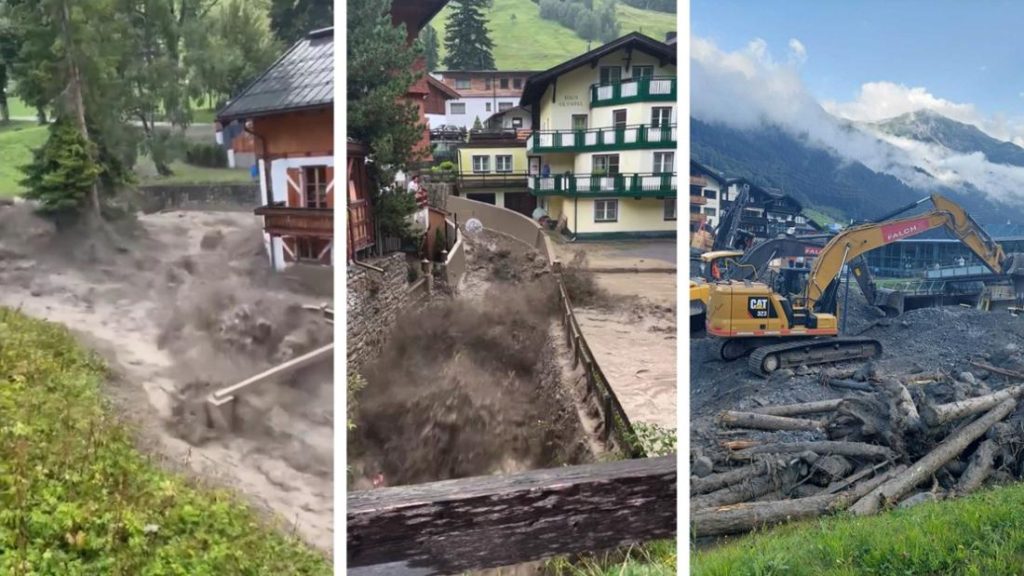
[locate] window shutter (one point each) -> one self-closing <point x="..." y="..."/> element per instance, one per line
<point x="294" y="187"/>
<point x="329" y="174"/>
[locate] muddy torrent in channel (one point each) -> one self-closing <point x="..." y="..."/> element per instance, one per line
<point x="470" y="385"/>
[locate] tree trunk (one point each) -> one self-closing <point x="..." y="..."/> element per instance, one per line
<point x="718" y="481"/>
<point x="74" y="95"/>
<point x="735" y="419"/>
<point x="821" y="447"/>
<point x="799" y="409"/>
<point x="979" y="469"/>
<point x="749" y="516"/>
<point x="893" y="490"/>
<point x="752" y="487"/>
<point x="943" y="413"/>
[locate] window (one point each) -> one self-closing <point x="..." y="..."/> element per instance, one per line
<point x="462" y="83"/>
<point x="504" y="83"/>
<point x="670" y="208"/>
<point x="619" y="119"/>
<point x="579" y="122"/>
<point x="481" y="164"/>
<point x="694" y="209"/>
<point x="517" y="123"/>
<point x="315" y="183"/>
<point x="661" y="116"/>
<point x="606" y="164"/>
<point x="503" y="163"/>
<point x="517" y="83"/>
<point x="643" y="72"/>
<point x="502" y="106"/>
<point x="610" y="75"/>
<point x="458" y="108"/>
<point x="309" y="248"/>
<point x="606" y="210"/>
<point x="488" y="82"/>
<point x="710" y="194"/>
<point x="663" y="162"/>
<point x="487" y="106"/>
<point x="709" y="211"/>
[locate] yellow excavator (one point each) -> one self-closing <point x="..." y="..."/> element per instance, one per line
<point x="751" y="318"/>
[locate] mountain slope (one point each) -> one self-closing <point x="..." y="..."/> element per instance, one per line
<point x="772" y="157"/>
<point x="932" y="128"/>
<point x="525" y="41"/>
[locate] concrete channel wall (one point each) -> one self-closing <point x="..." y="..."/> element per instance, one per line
<point x="455" y="265"/>
<point x="505" y="221"/>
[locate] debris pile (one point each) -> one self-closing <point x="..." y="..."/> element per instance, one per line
<point x="936" y="417"/>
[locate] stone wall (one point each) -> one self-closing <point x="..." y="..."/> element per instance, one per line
<point x="200" y="196"/>
<point x="375" y="301"/>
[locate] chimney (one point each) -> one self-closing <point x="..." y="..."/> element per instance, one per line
<point x="670" y="37"/>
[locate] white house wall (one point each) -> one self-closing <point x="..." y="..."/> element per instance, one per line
<point x="476" y="107"/>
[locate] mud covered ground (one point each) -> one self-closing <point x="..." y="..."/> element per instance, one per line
<point x="180" y="303"/>
<point x="924" y="340"/>
<point x="473" y="384"/>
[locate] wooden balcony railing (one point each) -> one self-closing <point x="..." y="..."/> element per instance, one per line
<point x="603" y="139"/>
<point x="281" y="220"/>
<point x="641" y="90"/>
<point x="597" y="185"/>
<point x="698" y="200"/>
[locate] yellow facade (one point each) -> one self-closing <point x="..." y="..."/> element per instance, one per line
<point x="634" y="217"/>
<point x="467" y="151"/>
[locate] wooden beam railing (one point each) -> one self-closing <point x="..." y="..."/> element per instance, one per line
<point x="452" y="526"/>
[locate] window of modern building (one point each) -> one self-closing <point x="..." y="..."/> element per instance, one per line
<point x="579" y="121"/>
<point x="710" y="194"/>
<point x="481" y="164"/>
<point x="487" y="106"/>
<point x="315" y="183"/>
<point x="502" y="106"/>
<point x="643" y="72"/>
<point x="517" y="83"/>
<point x="661" y="116"/>
<point x="709" y="211"/>
<point x="503" y="163"/>
<point x="462" y="84"/>
<point x="517" y="122"/>
<point x="694" y="208"/>
<point x="670" y="208"/>
<point x="504" y="83"/>
<point x="619" y="118"/>
<point x="488" y="82"/>
<point x="663" y="162"/>
<point x="605" y="164"/>
<point x="458" y="108"/>
<point x="606" y="210"/>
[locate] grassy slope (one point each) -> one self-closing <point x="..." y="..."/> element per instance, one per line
<point x="78" y="498"/>
<point x="531" y="43"/>
<point x="188" y="174"/>
<point x="17" y="140"/>
<point x="979" y="535"/>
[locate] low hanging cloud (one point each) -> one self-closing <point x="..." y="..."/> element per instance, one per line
<point x="748" y="89"/>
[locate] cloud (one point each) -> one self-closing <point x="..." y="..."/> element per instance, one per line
<point x="748" y="89"/>
<point x="797" y="51"/>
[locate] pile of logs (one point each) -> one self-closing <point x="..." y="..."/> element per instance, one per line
<point x="889" y="441"/>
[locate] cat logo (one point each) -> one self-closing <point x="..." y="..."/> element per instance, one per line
<point x="758" y="306"/>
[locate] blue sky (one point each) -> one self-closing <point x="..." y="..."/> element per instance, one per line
<point x="964" y="52"/>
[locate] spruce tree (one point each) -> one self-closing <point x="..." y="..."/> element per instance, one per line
<point x="62" y="173"/>
<point x="428" y="45"/>
<point x="466" y="37"/>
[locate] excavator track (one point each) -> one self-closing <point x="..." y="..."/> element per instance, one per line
<point x="767" y="359"/>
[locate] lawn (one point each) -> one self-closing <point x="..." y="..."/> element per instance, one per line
<point x="19" y="109"/>
<point x="650" y="559"/>
<point x="978" y="535"/>
<point x="77" y="497"/>
<point x="17" y="140"/>
<point x="524" y="41"/>
<point x="188" y="174"/>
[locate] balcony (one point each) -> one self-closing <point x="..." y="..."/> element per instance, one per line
<point x="360" y="226"/>
<point x="698" y="200"/>
<point x="290" y="221"/>
<point x="627" y="91"/>
<point x="596" y="186"/>
<point x="492" y="180"/>
<point x="602" y="139"/>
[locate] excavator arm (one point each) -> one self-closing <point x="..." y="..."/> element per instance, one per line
<point x="853" y="242"/>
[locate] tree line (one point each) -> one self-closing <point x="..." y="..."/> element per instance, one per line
<point x="105" y="73"/>
<point x="669" y="6"/>
<point x="590" y="19"/>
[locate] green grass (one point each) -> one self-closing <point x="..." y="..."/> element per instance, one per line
<point x="17" y="140"/>
<point x="979" y="535"/>
<point x="77" y="497"/>
<point x="651" y="559"/>
<point x="527" y="42"/>
<point x="19" y="109"/>
<point x="188" y="174"/>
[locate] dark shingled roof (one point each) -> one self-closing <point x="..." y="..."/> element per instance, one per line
<point x="301" y="79"/>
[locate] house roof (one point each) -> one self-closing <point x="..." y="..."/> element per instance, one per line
<point x="487" y="72"/>
<point x="447" y="91"/>
<point x="301" y="79"/>
<point x="415" y="14"/>
<point x="538" y="83"/>
<point x="707" y="171"/>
